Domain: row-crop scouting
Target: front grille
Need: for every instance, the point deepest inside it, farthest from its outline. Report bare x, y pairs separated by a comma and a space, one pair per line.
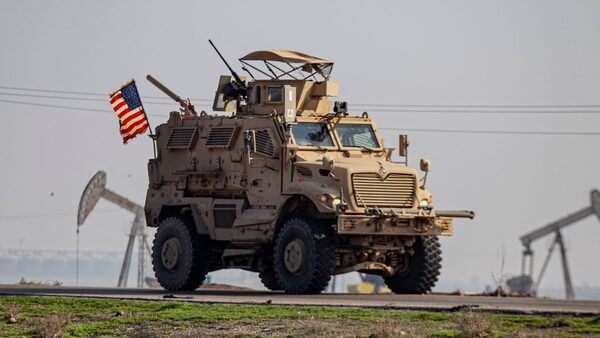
396, 190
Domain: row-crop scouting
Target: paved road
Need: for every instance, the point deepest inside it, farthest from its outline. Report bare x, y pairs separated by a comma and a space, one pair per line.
408, 302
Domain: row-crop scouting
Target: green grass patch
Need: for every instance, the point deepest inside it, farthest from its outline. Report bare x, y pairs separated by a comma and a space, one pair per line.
447, 333
109, 317
431, 317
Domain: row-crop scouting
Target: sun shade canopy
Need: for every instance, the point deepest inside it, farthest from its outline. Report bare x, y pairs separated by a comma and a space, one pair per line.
284, 56
302, 62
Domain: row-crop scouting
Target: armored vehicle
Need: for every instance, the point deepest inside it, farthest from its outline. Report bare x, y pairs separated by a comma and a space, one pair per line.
288, 184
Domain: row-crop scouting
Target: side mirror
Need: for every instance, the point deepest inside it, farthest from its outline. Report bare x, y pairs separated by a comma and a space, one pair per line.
250, 140
403, 145
292, 150
328, 162
425, 165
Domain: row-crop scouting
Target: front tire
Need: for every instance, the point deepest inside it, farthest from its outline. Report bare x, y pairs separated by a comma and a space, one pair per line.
422, 270
304, 257
180, 256
269, 279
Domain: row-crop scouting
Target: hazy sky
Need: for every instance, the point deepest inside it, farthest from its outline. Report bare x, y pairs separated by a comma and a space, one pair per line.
396, 52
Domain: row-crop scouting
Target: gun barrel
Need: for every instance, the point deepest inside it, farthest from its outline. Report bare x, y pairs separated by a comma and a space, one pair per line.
455, 213
163, 88
235, 76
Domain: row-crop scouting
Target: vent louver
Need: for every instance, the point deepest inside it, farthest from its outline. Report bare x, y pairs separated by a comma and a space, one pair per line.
303, 171
221, 137
181, 138
263, 143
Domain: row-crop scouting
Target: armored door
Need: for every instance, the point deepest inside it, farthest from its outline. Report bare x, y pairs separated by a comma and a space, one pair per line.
263, 168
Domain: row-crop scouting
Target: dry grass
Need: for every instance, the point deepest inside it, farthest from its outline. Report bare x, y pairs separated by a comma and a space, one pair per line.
523, 334
473, 324
51, 326
12, 311
49, 282
313, 327
388, 329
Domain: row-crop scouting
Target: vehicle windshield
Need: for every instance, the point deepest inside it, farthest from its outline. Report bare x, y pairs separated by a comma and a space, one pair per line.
357, 135
312, 134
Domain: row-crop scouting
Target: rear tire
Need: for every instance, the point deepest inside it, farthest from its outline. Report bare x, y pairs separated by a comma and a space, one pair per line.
304, 257
423, 268
180, 256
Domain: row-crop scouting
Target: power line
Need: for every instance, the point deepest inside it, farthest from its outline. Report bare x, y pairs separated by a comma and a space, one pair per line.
474, 106
424, 106
500, 132
50, 214
66, 107
52, 91
394, 129
455, 131
82, 93
446, 111
54, 106
421, 111
355, 110
76, 98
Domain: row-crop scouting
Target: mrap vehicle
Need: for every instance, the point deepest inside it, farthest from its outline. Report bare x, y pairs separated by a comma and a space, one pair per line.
287, 184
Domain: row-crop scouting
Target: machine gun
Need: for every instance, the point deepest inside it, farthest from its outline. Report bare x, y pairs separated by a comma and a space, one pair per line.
234, 89
186, 105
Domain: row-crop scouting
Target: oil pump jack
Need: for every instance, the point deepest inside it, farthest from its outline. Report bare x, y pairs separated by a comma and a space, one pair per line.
96, 189
524, 283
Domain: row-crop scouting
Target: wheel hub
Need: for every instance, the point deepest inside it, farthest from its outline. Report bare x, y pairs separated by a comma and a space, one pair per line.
170, 253
405, 263
294, 256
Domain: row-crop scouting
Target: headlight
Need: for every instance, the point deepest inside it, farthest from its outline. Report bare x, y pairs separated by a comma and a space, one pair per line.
335, 202
329, 200
323, 198
424, 204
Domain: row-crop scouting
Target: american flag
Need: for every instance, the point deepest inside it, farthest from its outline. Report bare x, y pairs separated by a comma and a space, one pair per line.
127, 105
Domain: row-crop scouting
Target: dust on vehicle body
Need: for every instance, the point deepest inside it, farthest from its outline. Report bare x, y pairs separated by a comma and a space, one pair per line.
288, 184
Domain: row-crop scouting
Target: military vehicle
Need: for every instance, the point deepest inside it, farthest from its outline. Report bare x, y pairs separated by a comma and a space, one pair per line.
288, 184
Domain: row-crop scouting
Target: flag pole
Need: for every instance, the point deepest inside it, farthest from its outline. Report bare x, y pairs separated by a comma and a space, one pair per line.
152, 136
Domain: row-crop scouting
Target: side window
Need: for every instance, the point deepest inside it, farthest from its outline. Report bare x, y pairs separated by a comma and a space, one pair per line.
257, 94
275, 94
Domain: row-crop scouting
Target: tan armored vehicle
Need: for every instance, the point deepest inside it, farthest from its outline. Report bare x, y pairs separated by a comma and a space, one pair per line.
288, 184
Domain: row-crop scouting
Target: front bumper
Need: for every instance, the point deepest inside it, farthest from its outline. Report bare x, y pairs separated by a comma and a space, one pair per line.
399, 222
